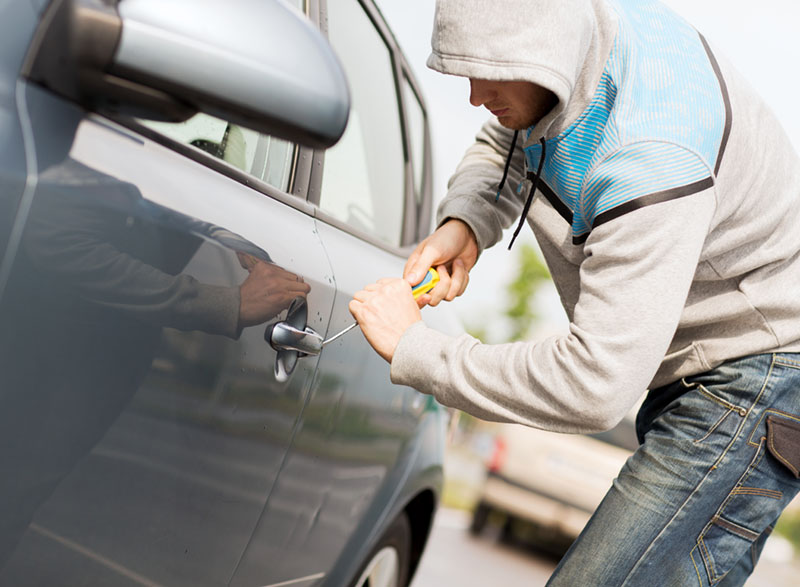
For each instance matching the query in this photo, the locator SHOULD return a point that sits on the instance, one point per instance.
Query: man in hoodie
(666, 198)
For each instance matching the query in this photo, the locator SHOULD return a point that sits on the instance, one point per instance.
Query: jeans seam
(705, 392)
(734, 528)
(723, 402)
(707, 560)
(714, 427)
(763, 417)
(739, 432)
(758, 491)
(790, 363)
(681, 507)
(696, 568)
(754, 462)
(747, 414)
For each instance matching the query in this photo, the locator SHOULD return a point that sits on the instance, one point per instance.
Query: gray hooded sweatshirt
(667, 210)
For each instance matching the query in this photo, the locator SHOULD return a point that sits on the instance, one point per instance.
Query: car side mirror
(258, 63)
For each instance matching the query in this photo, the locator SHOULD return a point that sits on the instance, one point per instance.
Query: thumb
(417, 268)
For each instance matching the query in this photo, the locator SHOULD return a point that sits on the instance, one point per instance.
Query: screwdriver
(427, 284)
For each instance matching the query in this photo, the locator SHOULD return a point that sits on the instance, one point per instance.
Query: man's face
(517, 105)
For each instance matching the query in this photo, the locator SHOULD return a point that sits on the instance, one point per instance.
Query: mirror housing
(258, 63)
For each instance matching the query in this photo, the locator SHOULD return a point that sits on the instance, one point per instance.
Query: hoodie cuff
(417, 360)
(477, 213)
(216, 310)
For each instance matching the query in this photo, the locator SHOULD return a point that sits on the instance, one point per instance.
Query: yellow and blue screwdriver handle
(427, 284)
(424, 286)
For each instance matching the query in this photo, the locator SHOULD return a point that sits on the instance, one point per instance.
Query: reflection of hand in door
(266, 291)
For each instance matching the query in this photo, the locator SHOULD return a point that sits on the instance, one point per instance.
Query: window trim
(423, 210)
(220, 166)
(399, 250)
(300, 172)
(409, 221)
(411, 229)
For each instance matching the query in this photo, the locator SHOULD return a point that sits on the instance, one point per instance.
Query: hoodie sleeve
(627, 311)
(73, 246)
(472, 189)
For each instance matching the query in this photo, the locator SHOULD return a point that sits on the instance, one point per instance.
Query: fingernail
(412, 278)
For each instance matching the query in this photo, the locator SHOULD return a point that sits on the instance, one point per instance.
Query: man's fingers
(355, 307)
(464, 283)
(363, 296)
(412, 261)
(294, 285)
(427, 259)
(386, 281)
(458, 281)
(439, 292)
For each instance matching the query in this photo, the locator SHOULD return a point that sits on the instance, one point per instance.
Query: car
(191, 193)
(541, 488)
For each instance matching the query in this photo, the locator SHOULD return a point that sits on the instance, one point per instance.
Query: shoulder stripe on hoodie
(656, 127)
(726, 99)
(656, 198)
(554, 200)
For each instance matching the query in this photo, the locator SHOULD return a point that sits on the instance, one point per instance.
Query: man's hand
(266, 291)
(384, 310)
(452, 250)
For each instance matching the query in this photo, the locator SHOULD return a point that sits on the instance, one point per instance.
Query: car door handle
(285, 337)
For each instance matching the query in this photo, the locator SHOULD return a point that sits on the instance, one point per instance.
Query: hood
(561, 45)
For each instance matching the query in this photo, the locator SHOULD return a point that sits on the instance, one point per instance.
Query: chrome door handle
(285, 337)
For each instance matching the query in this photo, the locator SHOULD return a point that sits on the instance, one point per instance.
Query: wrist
(464, 228)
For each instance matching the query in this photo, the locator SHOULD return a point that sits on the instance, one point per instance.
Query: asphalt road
(454, 557)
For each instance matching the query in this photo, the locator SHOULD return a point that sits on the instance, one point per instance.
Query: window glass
(264, 157)
(415, 124)
(363, 175)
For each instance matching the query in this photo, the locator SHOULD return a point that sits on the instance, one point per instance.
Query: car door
(366, 447)
(142, 423)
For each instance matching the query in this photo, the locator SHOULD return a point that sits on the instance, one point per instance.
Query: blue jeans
(718, 462)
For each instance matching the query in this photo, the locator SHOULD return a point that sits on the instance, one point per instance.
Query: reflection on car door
(350, 462)
(145, 427)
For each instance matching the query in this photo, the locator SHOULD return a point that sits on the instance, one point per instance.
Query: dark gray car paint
(147, 452)
(126, 424)
(16, 30)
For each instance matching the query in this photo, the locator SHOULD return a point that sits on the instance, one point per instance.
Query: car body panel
(150, 440)
(185, 420)
(357, 445)
(16, 29)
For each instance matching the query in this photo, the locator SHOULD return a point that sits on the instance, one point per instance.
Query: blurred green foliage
(531, 274)
(519, 312)
(788, 526)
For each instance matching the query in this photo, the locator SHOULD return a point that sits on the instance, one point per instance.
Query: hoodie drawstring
(508, 164)
(531, 193)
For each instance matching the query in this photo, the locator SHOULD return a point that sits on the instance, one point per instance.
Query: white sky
(762, 40)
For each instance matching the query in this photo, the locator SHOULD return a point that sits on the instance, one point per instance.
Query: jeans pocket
(783, 441)
(703, 411)
(753, 504)
(727, 410)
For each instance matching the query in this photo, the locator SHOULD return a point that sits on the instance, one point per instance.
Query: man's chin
(511, 124)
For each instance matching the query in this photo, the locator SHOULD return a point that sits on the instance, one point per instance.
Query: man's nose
(480, 92)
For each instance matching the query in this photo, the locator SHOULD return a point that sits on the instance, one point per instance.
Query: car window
(363, 175)
(415, 124)
(264, 157)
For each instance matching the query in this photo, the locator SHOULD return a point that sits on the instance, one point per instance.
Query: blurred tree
(531, 274)
(518, 314)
